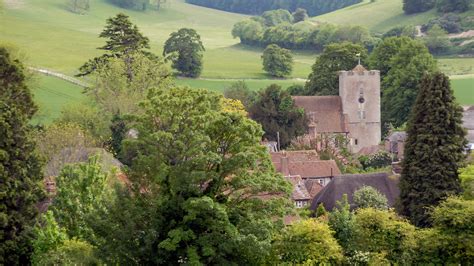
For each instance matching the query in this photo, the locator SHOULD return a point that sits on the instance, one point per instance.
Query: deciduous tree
(277, 61)
(184, 48)
(324, 79)
(434, 150)
(369, 197)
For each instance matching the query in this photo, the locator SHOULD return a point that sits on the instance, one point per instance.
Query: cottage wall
(359, 90)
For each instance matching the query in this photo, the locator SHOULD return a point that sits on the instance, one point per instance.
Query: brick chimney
(284, 165)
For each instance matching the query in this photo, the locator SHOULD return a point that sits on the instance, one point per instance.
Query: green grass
(456, 66)
(52, 95)
(378, 16)
(220, 85)
(464, 90)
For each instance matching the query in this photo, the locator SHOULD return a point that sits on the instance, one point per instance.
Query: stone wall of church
(360, 94)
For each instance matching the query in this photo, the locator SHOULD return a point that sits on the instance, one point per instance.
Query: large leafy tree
(123, 40)
(199, 172)
(184, 48)
(324, 79)
(277, 61)
(402, 62)
(417, 6)
(434, 150)
(275, 110)
(20, 166)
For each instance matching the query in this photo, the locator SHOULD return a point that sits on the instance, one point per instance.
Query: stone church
(355, 113)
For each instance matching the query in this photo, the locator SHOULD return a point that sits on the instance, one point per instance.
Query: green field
(52, 94)
(464, 90)
(377, 16)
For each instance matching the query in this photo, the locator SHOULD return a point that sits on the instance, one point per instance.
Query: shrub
(369, 197)
(378, 160)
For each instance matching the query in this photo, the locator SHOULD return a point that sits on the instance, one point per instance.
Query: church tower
(359, 90)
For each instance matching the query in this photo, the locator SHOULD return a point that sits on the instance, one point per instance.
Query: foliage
(324, 79)
(407, 61)
(88, 117)
(417, 6)
(120, 85)
(302, 35)
(434, 150)
(277, 61)
(79, 6)
(58, 136)
(119, 130)
(451, 239)
(240, 91)
(184, 48)
(467, 181)
(307, 242)
(71, 252)
(251, 7)
(437, 40)
(202, 169)
(49, 236)
(445, 6)
(383, 233)
(232, 106)
(408, 31)
(132, 4)
(296, 89)
(451, 23)
(20, 165)
(123, 41)
(275, 110)
(275, 17)
(321, 211)
(81, 190)
(299, 15)
(341, 220)
(369, 197)
(377, 160)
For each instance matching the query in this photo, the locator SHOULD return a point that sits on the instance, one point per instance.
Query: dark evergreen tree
(434, 150)
(275, 110)
(184, 48)
(20, 166)
(118, 129)
(446, 6)
(123, 40)
(300, 14)
(417, 6)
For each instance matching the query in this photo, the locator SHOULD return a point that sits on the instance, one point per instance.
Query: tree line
(279, 27)
(443, 6)
(314, 7)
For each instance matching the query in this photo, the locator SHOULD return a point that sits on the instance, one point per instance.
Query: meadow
(54, 38)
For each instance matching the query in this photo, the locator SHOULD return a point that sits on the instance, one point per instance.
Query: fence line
(61, 76)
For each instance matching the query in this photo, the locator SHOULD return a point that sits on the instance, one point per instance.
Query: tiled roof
(299, 188)
(369, 150)
(310, 169)
(348, 184)
(313, 187)
(326, 111)
(295, 156)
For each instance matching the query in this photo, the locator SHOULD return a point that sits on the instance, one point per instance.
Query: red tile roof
(310, 169)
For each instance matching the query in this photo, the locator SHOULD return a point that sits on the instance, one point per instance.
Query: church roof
(326, 110)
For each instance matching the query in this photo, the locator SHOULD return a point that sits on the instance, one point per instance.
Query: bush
(369, 197)
(309, 242)
(378, 160)
(71, 252)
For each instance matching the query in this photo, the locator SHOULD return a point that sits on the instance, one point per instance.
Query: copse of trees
(20, 164)
(277, 61)
(417, 6)
(315, 7)
(446, 6)
(262, 31)
(184, 49)
(434, 150)
(138, 4)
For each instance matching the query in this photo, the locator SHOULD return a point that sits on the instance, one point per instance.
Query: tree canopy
(434, 150)
(417, 6)
(324, 78)
(184, 49)
(277, 61)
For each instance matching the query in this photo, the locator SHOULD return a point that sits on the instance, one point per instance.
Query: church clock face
(361, 99)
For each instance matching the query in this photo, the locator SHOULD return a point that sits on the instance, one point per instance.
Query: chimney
(284, 165)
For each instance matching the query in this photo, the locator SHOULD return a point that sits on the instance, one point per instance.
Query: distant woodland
(314, 7)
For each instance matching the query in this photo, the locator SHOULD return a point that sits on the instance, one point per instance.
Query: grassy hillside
(378, 16)
(57, 39)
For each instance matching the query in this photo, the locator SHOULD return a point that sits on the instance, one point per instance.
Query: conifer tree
(434, 149)
(20, 167)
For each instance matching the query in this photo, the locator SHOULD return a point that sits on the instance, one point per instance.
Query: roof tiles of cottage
(295, 156)
(348, 184)
(313, 187)
(310, 169)
(326, 111)
(299, 189)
